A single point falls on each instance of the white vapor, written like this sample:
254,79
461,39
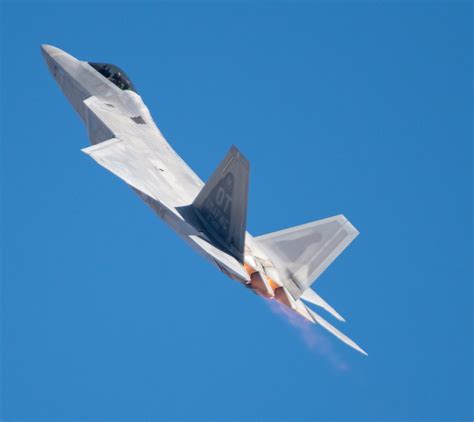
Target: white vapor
312,338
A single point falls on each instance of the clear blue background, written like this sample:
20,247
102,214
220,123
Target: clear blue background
355,108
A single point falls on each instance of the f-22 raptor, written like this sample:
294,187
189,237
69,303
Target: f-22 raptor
210,217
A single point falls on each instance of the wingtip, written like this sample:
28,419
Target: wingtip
350,228
359,349
333,330
312,297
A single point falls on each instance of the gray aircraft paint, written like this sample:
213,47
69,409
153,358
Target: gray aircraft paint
210,217
222,203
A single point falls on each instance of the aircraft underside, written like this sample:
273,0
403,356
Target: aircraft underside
211,217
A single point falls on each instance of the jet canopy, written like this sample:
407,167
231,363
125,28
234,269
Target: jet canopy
115,75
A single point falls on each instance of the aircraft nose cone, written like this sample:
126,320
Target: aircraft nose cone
50,51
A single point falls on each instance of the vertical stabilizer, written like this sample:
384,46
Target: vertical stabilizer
221,205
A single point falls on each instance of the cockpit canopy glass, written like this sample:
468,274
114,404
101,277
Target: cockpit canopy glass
115,75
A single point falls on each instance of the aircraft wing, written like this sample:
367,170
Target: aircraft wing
121,159
127,146
130,151
333,330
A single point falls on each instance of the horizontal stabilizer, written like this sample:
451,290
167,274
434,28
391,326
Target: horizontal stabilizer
336,332
302,253
311,296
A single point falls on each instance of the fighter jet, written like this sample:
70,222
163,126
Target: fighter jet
210,217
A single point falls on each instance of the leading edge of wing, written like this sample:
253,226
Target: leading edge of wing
113,155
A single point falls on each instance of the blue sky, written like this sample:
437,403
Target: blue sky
356,108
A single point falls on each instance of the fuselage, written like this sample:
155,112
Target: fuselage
79,82
126,141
